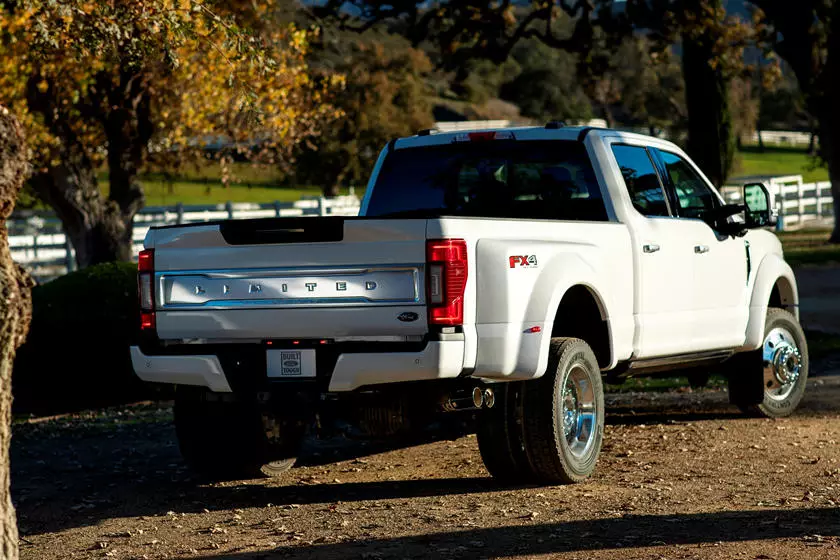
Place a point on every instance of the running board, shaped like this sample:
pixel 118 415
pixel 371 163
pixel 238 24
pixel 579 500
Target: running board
pixel 680 361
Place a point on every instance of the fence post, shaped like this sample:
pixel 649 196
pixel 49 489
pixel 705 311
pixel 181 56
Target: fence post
pixel 229 208
pixel 35 245
pixel 800 192
pixel 69 261
pixel 321 206
pixel 277 208
pixel 179 213
pixel 818 196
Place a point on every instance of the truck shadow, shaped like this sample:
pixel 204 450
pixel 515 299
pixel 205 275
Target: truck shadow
pixel 817 527
pixel 70 473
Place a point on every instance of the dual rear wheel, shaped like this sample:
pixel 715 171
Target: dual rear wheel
pixel 547 430
pixel 232 440
pixel 550 430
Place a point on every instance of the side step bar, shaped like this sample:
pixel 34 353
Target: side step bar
pixel 680 361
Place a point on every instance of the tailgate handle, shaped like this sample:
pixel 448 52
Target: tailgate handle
pixel 282 230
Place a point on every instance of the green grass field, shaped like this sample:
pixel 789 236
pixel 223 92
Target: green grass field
pixel 202 186
pixel 777 161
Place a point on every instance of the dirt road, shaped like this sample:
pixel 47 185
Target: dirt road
pixel 681 476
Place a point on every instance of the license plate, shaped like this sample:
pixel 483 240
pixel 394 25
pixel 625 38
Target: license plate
pixel 290 364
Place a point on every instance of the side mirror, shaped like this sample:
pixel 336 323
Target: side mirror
pixel 760 206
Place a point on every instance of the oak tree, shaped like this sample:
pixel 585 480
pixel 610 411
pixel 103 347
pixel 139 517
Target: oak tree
pixel 15 313
pixel 124 83
pixel 807 37
pixel 712 45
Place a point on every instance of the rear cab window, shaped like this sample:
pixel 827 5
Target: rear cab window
pixel 545 179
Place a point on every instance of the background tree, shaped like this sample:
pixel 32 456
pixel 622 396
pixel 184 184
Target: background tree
pixel 745 102
pixel 15 313
pixel 544 83
pixel 712 45
pixel 385 96
pixel 125 83
pixel 711 138
pixel 808 38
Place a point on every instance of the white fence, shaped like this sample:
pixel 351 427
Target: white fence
pixel 799 204
pixel 38 242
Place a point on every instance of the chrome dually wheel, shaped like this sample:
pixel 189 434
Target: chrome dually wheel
pixel 579 414
pixel 563 414
pixel 782 363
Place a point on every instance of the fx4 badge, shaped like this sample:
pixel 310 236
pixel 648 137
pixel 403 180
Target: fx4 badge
pixel 523 261
pixel 408 316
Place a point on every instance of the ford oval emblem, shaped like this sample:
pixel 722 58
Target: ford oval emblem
pixel 408 316
pixel 291 363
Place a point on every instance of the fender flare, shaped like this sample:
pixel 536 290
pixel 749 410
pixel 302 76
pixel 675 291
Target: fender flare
pixel 772 271
pixel 576 272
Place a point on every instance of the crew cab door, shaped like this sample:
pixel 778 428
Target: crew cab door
pixel 720 261
pixel 663 257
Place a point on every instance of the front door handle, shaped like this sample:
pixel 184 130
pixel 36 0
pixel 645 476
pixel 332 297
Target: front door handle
pixel 650 248
pixel 700 249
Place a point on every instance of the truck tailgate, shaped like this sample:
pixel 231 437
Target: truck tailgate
pixel 290 278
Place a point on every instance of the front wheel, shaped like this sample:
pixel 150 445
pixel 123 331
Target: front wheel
pixel 771 381
pixel 564 414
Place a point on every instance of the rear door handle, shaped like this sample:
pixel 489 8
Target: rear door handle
pixel 700 249
pixel 650 248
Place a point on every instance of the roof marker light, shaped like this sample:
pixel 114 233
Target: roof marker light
pixel 484 135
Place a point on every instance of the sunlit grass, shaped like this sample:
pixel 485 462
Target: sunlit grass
pixel 779 161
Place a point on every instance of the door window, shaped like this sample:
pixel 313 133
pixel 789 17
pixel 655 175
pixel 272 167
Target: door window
pixel 694 197
pixel 641 180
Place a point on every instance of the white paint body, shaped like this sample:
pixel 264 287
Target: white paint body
pixel 674 301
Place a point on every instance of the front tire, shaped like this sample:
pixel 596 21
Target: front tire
pixel 232 440
pixel 564 414
pixel 770 381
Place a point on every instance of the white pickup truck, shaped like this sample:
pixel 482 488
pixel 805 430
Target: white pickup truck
pixel 503 272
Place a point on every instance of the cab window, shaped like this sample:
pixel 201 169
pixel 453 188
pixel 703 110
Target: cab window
pixel 641 180
pixel 694 197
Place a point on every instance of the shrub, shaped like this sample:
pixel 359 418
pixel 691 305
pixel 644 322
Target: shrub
pixel 77 352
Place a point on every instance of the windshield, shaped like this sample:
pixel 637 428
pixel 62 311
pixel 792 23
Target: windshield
pixel 505 179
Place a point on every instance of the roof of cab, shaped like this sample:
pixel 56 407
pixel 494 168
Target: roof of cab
pixel 434 138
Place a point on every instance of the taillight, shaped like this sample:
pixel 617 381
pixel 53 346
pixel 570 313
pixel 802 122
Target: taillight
pixel 446 280
pixel 146 288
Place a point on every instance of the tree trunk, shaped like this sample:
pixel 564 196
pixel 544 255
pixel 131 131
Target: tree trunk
pixel 711 141
pixel 99 230
pixel 760 141
pixel 15 314
pixel 128 127
pixel 95 226
pixel 829 118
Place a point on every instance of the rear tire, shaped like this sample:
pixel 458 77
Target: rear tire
pixel 755 378
pixel 564 414
pixel 230 440
pixel 500 436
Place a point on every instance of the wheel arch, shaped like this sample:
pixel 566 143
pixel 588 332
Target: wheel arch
pixel 775 286
pixel 585 304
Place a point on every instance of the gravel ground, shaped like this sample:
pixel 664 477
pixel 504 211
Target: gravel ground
pixel 682 475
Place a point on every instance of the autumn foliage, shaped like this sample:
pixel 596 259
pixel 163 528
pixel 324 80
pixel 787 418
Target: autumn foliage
pixel 128 83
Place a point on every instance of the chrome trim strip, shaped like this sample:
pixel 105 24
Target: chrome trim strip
pixel 374 285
